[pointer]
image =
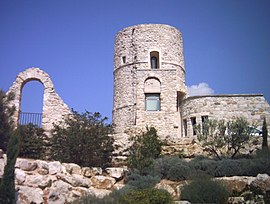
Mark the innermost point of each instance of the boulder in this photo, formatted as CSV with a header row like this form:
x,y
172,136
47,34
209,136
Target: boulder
x,y
87,172
103,182
43,167
116,173
19,176
33,180
96,170
75,180
165,185
261,183
28,195
2,166
100,193
72,168
55,167
26,164
236,200
236,183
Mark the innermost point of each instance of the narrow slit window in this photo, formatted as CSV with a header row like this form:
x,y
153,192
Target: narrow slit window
x,y
154,60
124,59
185,127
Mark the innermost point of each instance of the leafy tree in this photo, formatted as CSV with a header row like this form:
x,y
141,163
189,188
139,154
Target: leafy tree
x,y
212,136
83,139
33,142
227,139
265,135
238,135
145,148
7,186
6,123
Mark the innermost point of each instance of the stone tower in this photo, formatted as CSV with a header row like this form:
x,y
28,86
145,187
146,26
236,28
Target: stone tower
x,y
149,81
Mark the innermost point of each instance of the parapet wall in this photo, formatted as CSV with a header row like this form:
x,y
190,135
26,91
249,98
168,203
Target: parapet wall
x,y
254,107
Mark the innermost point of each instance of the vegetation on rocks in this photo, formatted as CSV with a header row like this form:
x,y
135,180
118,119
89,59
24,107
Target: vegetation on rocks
x,y
34,143
83,139
145,148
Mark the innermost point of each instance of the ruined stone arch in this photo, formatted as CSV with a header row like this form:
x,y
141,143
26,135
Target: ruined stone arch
x,y
54,109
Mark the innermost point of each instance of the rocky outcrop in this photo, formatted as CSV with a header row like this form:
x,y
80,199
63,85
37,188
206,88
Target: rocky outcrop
x,y
53,182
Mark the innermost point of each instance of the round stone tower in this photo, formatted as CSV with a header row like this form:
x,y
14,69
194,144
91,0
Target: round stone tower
x,y
149,81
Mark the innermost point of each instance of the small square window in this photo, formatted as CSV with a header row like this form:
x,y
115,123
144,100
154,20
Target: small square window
x,y
152,102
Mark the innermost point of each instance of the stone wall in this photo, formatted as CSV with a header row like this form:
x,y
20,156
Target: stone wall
x,y
54,109
254,107
52,182
132,68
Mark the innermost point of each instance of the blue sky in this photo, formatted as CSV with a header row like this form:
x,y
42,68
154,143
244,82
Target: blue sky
x,y
226,45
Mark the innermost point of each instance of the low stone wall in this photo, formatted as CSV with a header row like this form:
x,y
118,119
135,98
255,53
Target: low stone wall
x,y
254,107
52,182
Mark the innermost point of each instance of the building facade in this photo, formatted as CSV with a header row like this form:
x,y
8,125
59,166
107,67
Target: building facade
x,y
150,88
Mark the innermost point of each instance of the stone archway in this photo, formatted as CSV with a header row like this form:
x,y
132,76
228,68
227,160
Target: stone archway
x,y
54,109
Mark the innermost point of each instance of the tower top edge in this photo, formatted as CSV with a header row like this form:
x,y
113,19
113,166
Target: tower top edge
x,y
142,26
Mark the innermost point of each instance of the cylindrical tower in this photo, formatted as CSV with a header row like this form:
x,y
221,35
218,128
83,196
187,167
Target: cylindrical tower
x,y
149,80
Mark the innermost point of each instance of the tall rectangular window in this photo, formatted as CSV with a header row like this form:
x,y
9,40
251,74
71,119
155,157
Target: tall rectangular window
x,y
185,126
204,124
193,123
152,102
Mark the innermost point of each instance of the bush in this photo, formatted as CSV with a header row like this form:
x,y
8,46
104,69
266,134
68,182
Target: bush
x,y
147,196
138,181
145,148
33,142
228,167
179,171
205,191
7,186
204,166
6,122
83,139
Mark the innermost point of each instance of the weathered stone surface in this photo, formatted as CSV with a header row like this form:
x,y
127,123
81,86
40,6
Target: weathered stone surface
x,y
26,164
261,182
166,185
72,168
96,171
19,176
100,193
87,172
28,195
116,173
54,109
55,167
103,182
236,200
236,183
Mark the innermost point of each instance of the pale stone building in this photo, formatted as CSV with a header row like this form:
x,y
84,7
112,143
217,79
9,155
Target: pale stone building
x,y
150,89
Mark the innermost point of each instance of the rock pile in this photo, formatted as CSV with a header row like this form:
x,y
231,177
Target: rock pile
x,y
39,181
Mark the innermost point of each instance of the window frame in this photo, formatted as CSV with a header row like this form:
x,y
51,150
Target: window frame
x,y
156,98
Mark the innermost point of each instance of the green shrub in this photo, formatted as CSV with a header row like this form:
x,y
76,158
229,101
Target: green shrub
x,y
6,122
204,166
33,142
179,172
7,186
83,139
147,196
228,167
135,179
205,191
145,148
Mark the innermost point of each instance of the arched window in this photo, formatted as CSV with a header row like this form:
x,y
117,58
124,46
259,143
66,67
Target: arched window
x,y
152,94
154,60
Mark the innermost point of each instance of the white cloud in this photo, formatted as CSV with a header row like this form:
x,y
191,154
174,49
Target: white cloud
x,y
200,89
